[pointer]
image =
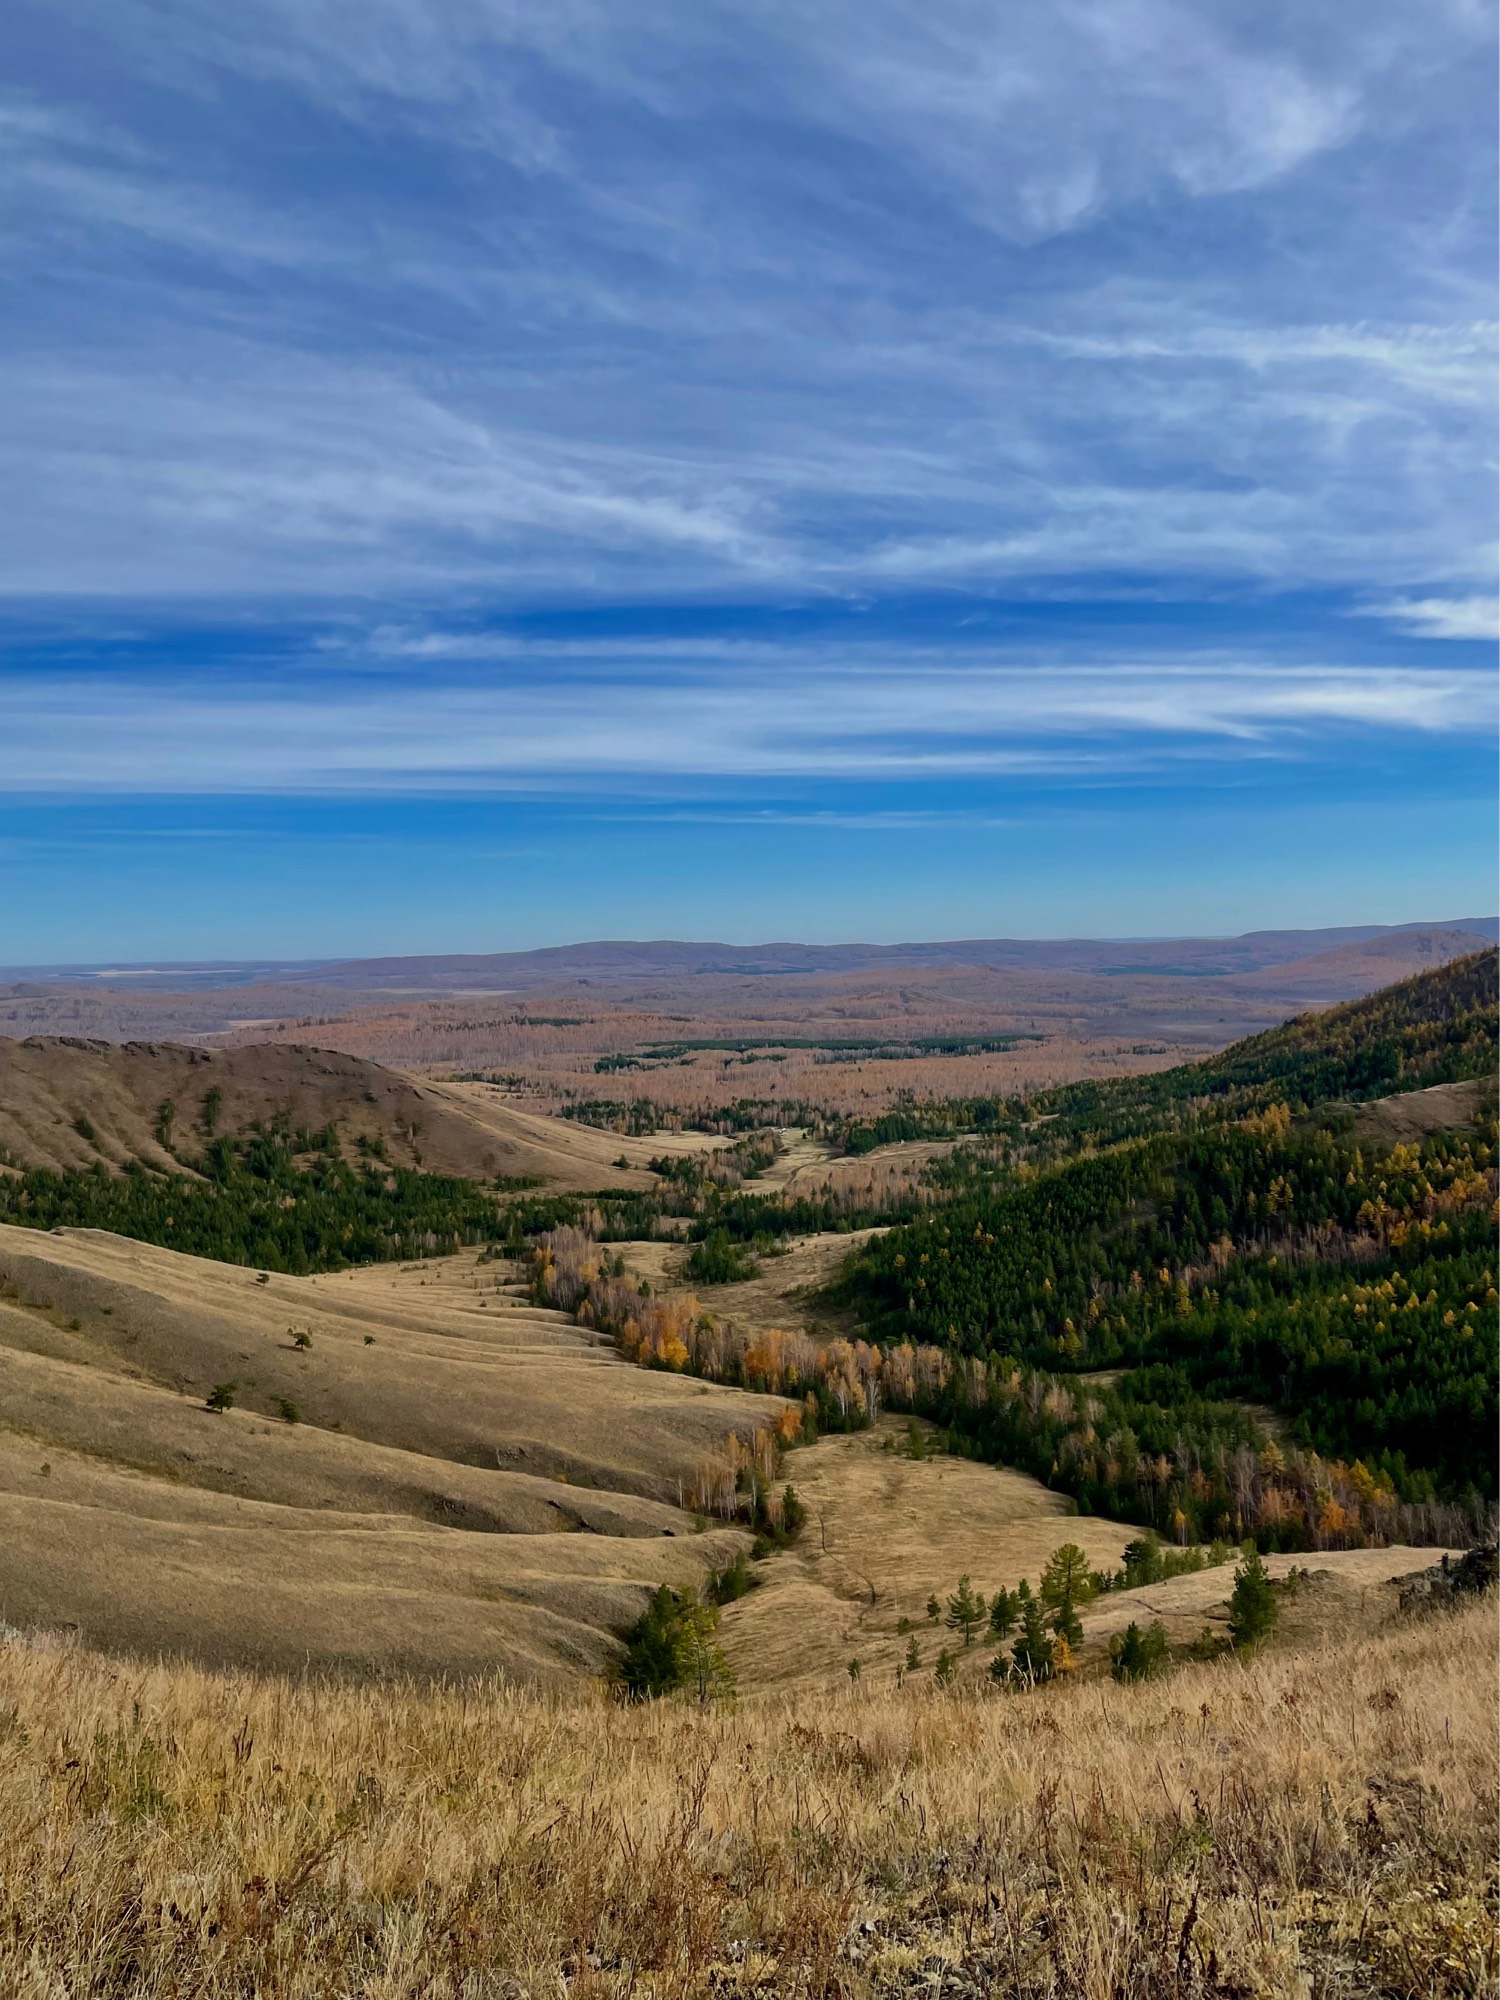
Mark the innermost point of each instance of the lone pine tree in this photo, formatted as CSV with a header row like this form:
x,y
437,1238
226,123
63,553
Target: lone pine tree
x,y
1067,1584
1253,1609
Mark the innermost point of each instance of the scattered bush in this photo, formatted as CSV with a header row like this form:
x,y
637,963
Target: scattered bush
x,y
719,1260
1135,1655
671,1646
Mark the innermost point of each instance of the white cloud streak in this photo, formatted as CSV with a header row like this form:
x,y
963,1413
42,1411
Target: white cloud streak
x,y
541,721
1443,617
672,298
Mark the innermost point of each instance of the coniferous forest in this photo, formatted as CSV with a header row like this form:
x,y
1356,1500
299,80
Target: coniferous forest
x,y
1252,1245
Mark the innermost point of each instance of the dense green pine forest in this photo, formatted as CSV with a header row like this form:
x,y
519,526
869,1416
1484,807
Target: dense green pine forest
x,y
1255,1249
280,1200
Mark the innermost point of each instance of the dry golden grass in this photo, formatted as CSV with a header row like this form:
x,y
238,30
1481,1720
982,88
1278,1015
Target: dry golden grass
x,y
884,1533
784,1292
1319,1824
485,1485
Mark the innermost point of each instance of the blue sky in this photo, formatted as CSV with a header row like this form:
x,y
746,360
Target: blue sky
x,y
489,473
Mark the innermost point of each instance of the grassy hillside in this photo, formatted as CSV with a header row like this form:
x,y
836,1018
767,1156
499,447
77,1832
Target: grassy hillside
x,y
1439,1027
1322,1822
67,1104
417,1472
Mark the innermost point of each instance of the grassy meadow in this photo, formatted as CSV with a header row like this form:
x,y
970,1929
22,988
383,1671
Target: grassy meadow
x,y
1310,1824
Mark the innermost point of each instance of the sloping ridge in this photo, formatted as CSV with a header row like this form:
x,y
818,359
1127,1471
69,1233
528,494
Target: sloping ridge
x,y
1349,971
441,1479
66,1102
1439,1026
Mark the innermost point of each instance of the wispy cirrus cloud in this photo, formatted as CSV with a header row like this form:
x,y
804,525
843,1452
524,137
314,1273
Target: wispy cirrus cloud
x,y
908,398
563,713
1443,617
660,299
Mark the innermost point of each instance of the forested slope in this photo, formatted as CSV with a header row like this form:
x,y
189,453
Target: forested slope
x,y
1247,1252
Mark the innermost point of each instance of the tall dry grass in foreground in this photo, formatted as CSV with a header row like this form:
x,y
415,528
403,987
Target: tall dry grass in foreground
x,y
1319,1824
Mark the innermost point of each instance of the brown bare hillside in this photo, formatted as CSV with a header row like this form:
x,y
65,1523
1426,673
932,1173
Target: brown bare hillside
x,y
66,1102
1415,1114
1351,970
469,1482
434,1359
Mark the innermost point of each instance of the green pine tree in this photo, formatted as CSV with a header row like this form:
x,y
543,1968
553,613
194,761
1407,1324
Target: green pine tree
x,y
1034,1644
1253,1609
1005,1608
966,1610
1067,1583
1135,1655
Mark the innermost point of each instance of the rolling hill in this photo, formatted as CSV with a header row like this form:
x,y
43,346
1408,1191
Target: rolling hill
x,y
441,1479
67,1103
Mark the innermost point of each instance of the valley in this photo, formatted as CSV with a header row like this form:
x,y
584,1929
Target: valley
x,y
971,1489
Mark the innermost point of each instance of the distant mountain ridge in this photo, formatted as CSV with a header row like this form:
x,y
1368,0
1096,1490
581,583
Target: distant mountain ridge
x,y
619,960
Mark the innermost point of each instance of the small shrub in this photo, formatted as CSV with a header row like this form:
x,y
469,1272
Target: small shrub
x,y
671,1646
221,1396
727,1585
1135,1655
287,1410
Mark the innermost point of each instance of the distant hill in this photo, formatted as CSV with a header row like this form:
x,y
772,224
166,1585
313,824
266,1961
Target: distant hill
x,y
69,1103
1352,969
622,960
1439,1027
